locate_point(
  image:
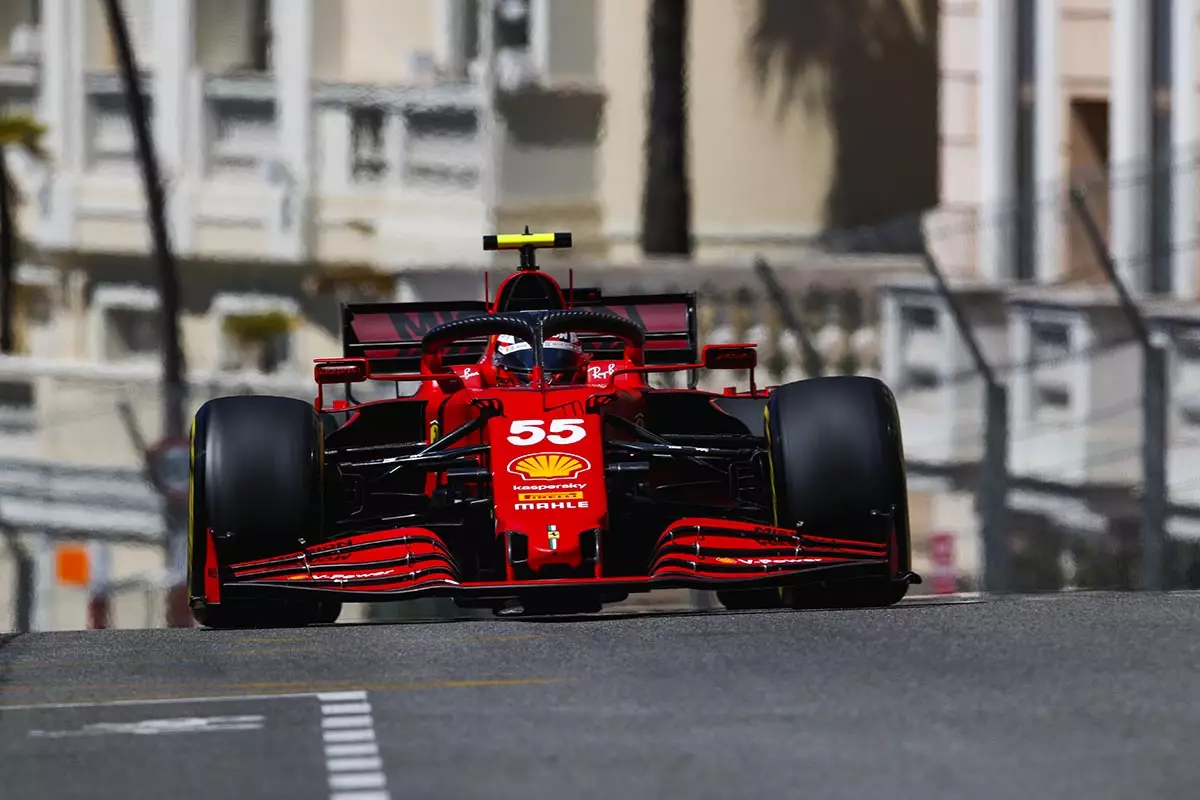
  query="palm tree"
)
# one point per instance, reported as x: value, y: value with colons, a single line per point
x: 173, y: 422
x: 24, y: 133
x: 869, y: 66
x: 666, y: 196
x: 178, y: 613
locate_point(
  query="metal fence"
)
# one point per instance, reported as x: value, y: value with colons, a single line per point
x: 1091, y: 346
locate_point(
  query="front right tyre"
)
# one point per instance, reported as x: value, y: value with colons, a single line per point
x: 257, y: 482
x: 836, y: 455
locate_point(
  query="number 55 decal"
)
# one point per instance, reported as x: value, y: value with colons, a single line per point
x: 526, y: 432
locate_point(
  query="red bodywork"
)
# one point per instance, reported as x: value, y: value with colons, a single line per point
x: 539, y: 486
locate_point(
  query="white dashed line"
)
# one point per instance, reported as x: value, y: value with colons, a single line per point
x: 359, y: 735
x: 351, y: 754
x: 356, y: 749
x: 353, y: 764
x: 347, y: 708
x: 357, y: 780
x: 360, y: 721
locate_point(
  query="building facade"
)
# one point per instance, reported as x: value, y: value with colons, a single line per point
x: 314, y: 151
x: 1039, y: 96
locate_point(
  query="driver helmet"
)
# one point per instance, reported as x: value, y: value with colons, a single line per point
x: 563, y: 359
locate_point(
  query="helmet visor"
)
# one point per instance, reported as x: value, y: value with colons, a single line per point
x: 555, y: 362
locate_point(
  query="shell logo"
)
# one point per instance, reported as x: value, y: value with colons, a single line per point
x: 549, y: 466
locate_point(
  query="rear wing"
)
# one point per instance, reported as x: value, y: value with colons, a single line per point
x: 389, y: 335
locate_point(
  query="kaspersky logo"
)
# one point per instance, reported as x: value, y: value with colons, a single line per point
x: 549, y: 466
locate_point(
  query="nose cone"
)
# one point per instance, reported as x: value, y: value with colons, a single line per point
x: 554, y: 549
x: 548, y: 477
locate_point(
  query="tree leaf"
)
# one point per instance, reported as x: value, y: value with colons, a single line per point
x: 24, y: 132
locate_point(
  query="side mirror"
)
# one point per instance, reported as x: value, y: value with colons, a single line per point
x: 729, y: 356
x: 347, y: 370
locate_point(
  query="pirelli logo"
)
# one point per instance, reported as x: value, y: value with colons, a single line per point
x: 535, y: 497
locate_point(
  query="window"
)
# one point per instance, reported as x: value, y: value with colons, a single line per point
x: 130, y: 332
x: 1051, y: 342
x: 125, y: 324
x: 261, y: 36
x: 112, y: 143
x: 243, y: 136
x: 1185, y: 380
x: 368, y: 159
x: 512, y: 34
x: 23, y: 40
x: 1052, y: 370
x: 35, y: 295
x: 255, y: 333
x: 18, y: 409
x: 922, y: 351
x: 459, y: 46
x: 512, y: 25
x: 514, y: 61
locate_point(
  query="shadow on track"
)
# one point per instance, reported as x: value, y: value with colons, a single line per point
x: 617, y: 616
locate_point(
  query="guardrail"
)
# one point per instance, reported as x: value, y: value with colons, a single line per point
x: 63, y: 501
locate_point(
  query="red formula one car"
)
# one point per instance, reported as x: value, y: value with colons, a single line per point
x: 536, y: 471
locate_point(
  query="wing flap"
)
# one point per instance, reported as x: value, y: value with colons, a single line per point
x: 389, y: 334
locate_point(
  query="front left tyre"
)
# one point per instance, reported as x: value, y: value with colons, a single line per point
x: 836, y: 455
x: 258, y: 483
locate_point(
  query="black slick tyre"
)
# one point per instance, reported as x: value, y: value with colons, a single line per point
x: 258, y: 483
x: 836, y: 455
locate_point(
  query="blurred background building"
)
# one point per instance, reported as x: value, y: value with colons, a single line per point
x: 323, y: 150
x: 1036, y: 97
x: 317, y: 151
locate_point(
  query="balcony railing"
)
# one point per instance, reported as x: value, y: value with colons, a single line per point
x: 363, y: 134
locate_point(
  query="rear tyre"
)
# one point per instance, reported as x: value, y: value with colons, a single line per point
x: 836, y: 455
x: 257, y: 482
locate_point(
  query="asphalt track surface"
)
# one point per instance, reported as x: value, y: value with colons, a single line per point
x: 1075, y: 696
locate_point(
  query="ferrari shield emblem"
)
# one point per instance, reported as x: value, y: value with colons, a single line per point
x: 435, y: 431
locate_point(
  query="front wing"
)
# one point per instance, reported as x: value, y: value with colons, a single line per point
x: 693, y: 553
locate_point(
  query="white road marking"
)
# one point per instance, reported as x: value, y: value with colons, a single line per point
x: 356, y: 749
x: 346, y: 708
x: 358, y: 780
x: 353, y: 764
x: 337, y: 697
x: 351, y: 753
x: 161, y: 701
x: 358, y: 735
x: 347, y: 728
x: 361, y: 721
x: 156, y: 727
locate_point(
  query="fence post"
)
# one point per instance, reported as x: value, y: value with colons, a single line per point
x: 1154, y: 408
x: 24, y: 586
x: 997, y: 566
x: 99, y: 602
x: 992, y: 489
x: 178, y: 612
